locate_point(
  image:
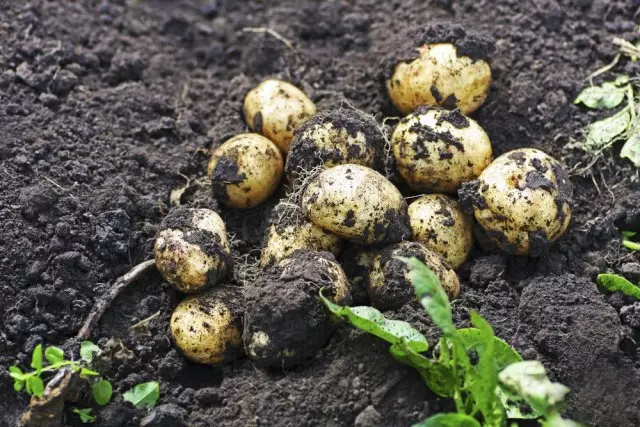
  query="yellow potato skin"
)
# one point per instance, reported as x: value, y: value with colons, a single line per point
x: 245, y: 170
x: 437, y: 222
x: 437, y: 75
x: 356, y: 203
x: 522, y: 192
x: 437, y: 150
x: 276, y: 109
x: 208, y: 328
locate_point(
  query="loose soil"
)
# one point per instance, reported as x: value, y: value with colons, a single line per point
x: 108, y: 106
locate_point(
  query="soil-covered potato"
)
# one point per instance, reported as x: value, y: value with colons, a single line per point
x: 358, y: 204
x: 438, y: 223
x: 276, y: 109
x: 285, y: 323
x: 333, y: 138
x: 192, y: 250
x: 245, y: 170
x: 207, y: 328
x: 389, y: 287
x: 289, y: 231
x: 448, y: 67
x: 522, y: 201
x: 437, y: 150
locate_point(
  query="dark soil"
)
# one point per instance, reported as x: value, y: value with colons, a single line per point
x: 107, y: 106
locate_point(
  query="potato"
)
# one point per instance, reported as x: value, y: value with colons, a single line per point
x: 334, y: 138
x: 289, y: 231
x: 448, y: 68
x: 358, y: 204
x: 207, y: 328
x: 245, y: 170
x: 389, y: 287
x: 285, y: 323
x: 438, y: 223
x: 522, y: 201
x: 192, y: 250
x: 276, y: 109
x: 437, y: 150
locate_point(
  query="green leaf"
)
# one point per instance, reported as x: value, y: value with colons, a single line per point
x: 615, y: 283
x: 88, y: 350
x: 85, y: 415
x: 631, y: 149
x: 431, y: 294
x: 515, y: 407
x: 504, y: 353
x: 18, y: 385
x: 143, y: 395
x: 449, y: 420
x: 35, y: 386
x: 16, y: 373
x: 529, y: 380
x: 84, y: 372
x: 102, y: 391
x: 631, y: 245
x: 36, y: 358
x: 54, y: 355
x: 437, y: 376
x: 605, y: 96
x: 605, y: 132
x: 555, y: 420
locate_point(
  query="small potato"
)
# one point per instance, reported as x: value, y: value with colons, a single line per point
x: 207, y: 328
x: 289, y: 231
x: 389, y: 286
x: 192, y: 250
x: 285, y: 323
x: 334, y: 138
x: 448, y: 68
x: 437, y: 150
x: 356, y: 203
x: 438, y: 223
x: 276, y: 109
x: 245, y: 170
x: 522, y: 201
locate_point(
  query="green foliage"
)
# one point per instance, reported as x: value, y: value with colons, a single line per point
x: 605, y: 96
x: 616, y: 283
x: 145, y: 395
x: 628, y: 241
x: 88, y: 350
x: 101, y: 392
x: 85, y: 415
x: 453, y: 419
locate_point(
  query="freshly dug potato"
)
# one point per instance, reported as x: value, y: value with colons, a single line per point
x: 522, y: 201
x: 207, y: 328
x: 358, y: 204
x: 438, y: 223
x: 290, y: 231
x: 192, y: 250
x: 245, y: 170
x: 285, y: 323
x: 276, y: 109
x: 334, y: 138
x: 389, y: 287
x: 448, y: 67
x: 437, y: 150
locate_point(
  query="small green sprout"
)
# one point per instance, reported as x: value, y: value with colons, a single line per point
x: 145, y: 395
x: 616, y: 283
x: 85, y: 415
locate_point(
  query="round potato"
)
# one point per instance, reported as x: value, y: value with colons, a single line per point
x: 389, y: 287
x: 522, y: 201
x: 333, y: 138
x: 448, y: 68
x: 245, y: 170
x: 289, y: 231
x: 438, y: 223
x: 192, y: 250
x: 358, y: 204
x: 207, y: 328
x: 437, y: 150
x: 276, y: 109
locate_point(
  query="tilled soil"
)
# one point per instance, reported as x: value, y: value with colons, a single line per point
x: 108, y: 106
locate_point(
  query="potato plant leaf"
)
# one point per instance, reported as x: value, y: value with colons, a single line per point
x: 555, y: 420
x: 605, y: 132
x: 54, y: 355
x: 101, y: 392
x: 145, y: 395
x: 452, y: 419
x: 631, y: 149
x: 616, y: 283
x: 85, y: 415
x: 88, y: 350
x: 36, y: 358
x: 605, y: 96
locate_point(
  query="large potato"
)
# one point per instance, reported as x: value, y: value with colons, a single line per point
x: 245, y: 170
x: 207, y: 328
x: 437, y: 150
x: 356, y: 203
x: 522, y: 201
x: 333, y: 138
x: 276, y: 109
x: 438, y: 223
x: 192, y: 250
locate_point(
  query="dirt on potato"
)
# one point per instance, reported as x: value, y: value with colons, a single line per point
x: 106, y: 106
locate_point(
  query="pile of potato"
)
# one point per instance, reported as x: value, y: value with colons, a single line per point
x: 346, y: 213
